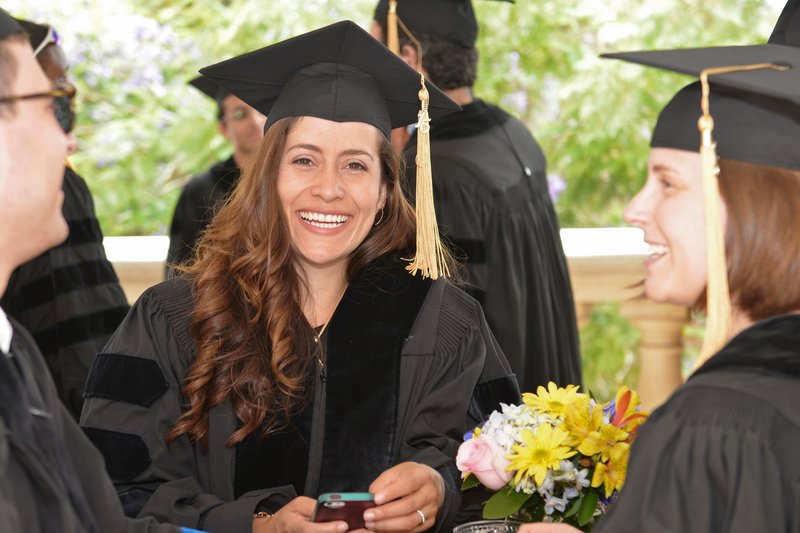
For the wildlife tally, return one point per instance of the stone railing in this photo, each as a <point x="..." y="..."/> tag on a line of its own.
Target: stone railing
<point x="605" y="264"/>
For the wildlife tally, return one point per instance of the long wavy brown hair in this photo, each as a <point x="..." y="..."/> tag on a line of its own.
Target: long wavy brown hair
<point x="253" y="343"/>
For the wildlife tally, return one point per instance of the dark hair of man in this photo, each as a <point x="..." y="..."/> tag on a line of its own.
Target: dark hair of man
<point x="254" y="346"/>
<point x="8" y="70"/>
<point x="449" y="65"/>
<point x="762" y="241"/>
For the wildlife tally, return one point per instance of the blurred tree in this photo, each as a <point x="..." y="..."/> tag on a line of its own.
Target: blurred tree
<point x="143" y="131"/>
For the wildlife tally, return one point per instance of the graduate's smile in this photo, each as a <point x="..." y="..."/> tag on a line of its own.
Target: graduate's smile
<point x="329" y="184"/>
<point x="324" y="221"/>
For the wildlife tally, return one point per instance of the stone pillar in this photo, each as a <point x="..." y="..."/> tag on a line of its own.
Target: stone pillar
<point x="660" y="348"/>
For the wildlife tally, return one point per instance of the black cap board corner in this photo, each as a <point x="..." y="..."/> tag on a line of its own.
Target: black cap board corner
<point x="8" y="25"/>
<point x="339" y="72"/>
<point x="209" y="88"/>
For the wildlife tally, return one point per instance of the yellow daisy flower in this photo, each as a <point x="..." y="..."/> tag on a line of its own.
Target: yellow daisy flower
<point x="611" y="475"/>
<point x="580" y="422"/>
<point x="539" y="452"/>
<point x="552" y="400"/>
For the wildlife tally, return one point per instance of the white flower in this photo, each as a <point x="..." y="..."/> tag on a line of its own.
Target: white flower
<point x="582" y="479"/>
<point x="554" y="504"/>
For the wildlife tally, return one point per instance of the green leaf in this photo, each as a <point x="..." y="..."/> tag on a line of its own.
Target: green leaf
<point x="576" y="504"/>
<point x="504" y="502"/>
<point x="469" y="482"/>
<point x="588" y="505"/>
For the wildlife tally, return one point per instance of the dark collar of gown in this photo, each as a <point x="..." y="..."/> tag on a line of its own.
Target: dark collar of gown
<point x="772" y="346"/>
<point x="364" y="340"/>
<point x="474" y="119"/>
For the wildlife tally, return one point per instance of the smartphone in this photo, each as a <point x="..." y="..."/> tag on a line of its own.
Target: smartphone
<point x="347" y="506"/>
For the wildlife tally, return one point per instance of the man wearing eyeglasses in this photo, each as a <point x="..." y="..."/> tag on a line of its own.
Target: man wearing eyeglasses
<point x="69" y="297"/>
<point x="243" y="127"/>
<point x="51" y="477"/>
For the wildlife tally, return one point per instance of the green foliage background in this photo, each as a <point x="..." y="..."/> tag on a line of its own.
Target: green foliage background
<point x="143" y="131"/>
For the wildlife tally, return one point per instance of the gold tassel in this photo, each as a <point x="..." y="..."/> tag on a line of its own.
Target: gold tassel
<point x="392" y="39"/>
<point x="718" y="295"/>
<point x="430" y="260"/>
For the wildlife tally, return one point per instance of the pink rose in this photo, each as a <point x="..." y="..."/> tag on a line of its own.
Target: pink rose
<point x="484" y="458"/>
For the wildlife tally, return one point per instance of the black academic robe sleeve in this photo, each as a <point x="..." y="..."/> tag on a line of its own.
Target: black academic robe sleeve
<point x="20" y="510"/>
<point x="129" y="422"/>
<point x="454" y="376"/>
<point x="707" y="462"/>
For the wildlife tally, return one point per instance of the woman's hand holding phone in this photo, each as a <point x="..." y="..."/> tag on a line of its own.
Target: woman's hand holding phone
<point x="408" y="498"/>
<point x="295" y="517"/>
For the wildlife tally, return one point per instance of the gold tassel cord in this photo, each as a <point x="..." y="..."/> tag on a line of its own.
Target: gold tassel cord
<point x="430" y="260"/>
<point x="718" y="297"/>
<point x="392" y="39"/>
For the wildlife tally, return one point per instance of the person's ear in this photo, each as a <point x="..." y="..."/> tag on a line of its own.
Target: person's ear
<point x="408" y="53"/>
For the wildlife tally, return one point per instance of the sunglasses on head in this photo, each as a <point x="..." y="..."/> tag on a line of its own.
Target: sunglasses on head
<point x="63" y="96"/>
<point x="52" y="37"/>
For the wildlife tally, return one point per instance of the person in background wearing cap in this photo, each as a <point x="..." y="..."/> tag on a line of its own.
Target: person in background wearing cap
<point x="242" y="126"/>
<point x="69" y="297"/>
<point x="721" y="455"/>
<point x="51" y="477"/>
<point x="492" y="199"/>
<point x="298" y="355"/>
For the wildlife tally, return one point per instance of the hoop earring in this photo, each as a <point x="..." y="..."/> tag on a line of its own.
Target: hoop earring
<point x="380" y="219"/>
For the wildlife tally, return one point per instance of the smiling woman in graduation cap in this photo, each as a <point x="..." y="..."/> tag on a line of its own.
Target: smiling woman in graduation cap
<point x="299" y="355"/>
<point x="720" y="212"/>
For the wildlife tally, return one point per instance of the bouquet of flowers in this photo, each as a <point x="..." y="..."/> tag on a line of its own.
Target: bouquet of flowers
<point x="558" y="457"/>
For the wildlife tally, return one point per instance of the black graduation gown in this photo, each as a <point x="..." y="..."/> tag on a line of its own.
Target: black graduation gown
<point x="69" y="298"/>
<point x="197" y="204"/>
<point x="410" y="366"/>
<point x="492" y="203"/>
<point x="51" y="477"/>
<point x="721" y="456"/>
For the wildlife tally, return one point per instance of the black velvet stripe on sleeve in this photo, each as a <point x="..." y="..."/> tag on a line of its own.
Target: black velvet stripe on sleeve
<point x="126" y="455"/>
<point x="125" y="378"/>
<point x="80" y="328"/>
<point x="80" y="276"/>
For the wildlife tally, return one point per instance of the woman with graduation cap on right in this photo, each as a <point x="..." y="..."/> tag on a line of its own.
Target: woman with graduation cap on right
<point x="721" y="455"/>
<point x="300" y="355"/>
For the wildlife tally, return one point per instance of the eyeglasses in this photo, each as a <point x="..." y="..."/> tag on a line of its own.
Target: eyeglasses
<point x="52" y="37"/>
<point x="240" y="113"/>
<point x="63" y="103"/>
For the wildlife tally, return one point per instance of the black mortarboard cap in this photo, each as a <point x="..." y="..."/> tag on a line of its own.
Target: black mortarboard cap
<point x="339" y="73"/>
<point x="787" y="30"/>
<point x="756" y="113"/>
<point x="210" y="89"/>
<point x="8" y="25"/>
<point x="452" y="20"/>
